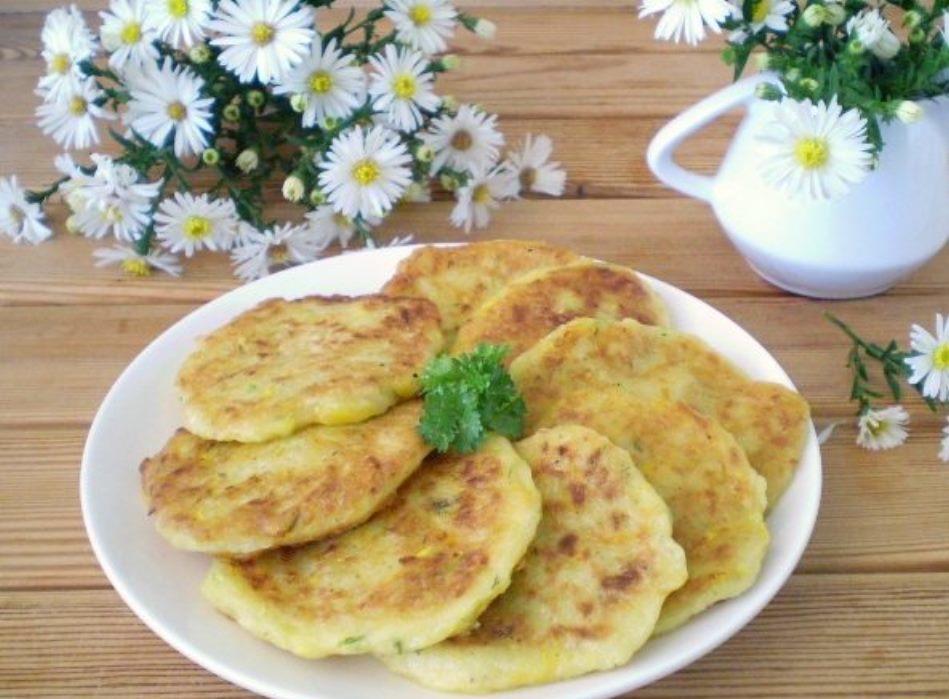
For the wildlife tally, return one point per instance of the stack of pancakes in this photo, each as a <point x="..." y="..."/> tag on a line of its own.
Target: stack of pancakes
<point x="635" y="501"/>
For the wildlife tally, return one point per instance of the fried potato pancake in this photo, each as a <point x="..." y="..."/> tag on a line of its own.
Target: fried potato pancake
<point x="417" y="572"/>
<point x="769" y="421"/>
<point x="459" y="279"/>
<point x="717" y="499"/>
<point x="531" y="306"/>
<point x="238" y="499"/>
<point x="317" y="360"/>
<point x="590" y="588"/>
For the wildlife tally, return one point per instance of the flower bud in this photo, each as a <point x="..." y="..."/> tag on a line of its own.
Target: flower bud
<point x="425" y="153"/>
<point x="486" y="29"/>
<point x="762" y="61"/>
<point x="199" y="53"/>
<point x="211" y="156"/>
<point x="256" y="99"/>
<point x="809" y="85"/>
<point x="450" y="103"/>
<point x="449" y="182"/>
<point x="856" y="47"/>
<point x="299" y="102"/>
<point x="247" y="161"/>
<point x="317" y="198"/>
<point x="331" y="123"/>
<point x="917" y="36"/>
<point x="814" y="15"/>
<point x="293" y="189"/>
<point x="451" y="62"/>
<point x="909" y="112"/>
<point x="72" y="225"/>
<point x="834" y="14"/>
<point x="793" y="75"/>
<point x="231" y="113"/>
<point x="767" y="91"/>
<point x="912" y="19"/>
<point x="76" y="201"/>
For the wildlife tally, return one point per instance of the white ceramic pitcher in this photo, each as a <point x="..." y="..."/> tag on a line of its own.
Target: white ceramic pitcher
<point x="860" y="244"/>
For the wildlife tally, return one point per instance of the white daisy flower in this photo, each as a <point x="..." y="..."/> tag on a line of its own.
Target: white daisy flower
<point x="365" y="172"/>
<point x="872" y="30"/>
<point x="687" y="19"/>
<point x="112" y="200"/>
<point x="261" y="252"/>
<point x="815" y="150"/>
<point x="930" y="364"/>
<point x="134" y="263"/>
<point x="332" y="83"/>
<point x="402" y="87"/>
<point x="883" y="429"/>
<point x="185" y="223"/>
<point x="330" y="225"/>
<point x="21" y="219"/>
<point x="944" y="445"/>
<point x="772" y="14"/>
<point x="70" y="120"/>
<point x="263" y="38"/>
<point x="423" y="24"/>
<point x="395" y="242"/>
<point x="482" y="194"/>
<point x="469" y="140"/>
<point x="167" y="101"/>
<point x="531" y="169"/>
<point x="67" y="42"/>
<point x="180" y="23"/>
<point x="126" y="36"/>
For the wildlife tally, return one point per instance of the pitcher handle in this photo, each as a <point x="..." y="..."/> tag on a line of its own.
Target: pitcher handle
<point x="667" y="140"/>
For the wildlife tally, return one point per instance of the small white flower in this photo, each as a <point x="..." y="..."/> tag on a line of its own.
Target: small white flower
<point x="247" y="161"/>
<point x="771" y="14"/>
<point x="262" y="251"/>
<point x="872" y="30"/>
<point x="134" y="263"/>
<point x="882" y="429"/>
<point x="329" y="80"/>
<point x="263" y="39"/>
<point x="293" y="189"/>
<point x="185" y="223"/>
<point x="70" y="120"/>
<point x="126" y="36"/>
<point x="819" y="151"/>
<point x="395" y="242"/>
<point x="365" y="172"/>
<point x="402" y="87"/>
<point x="20" y="219"/>
<point x="944" y="445"/>
<point x="330" y="225"/>
<point x="180" y="23"/>
<point x="531" y="169"/>
<point x="166" y="101"/>
<point x="479" y="197"/>
<point x="687" y="19"/>
<point x="909" y="112"/>
<point x="930" y="364"/>
<point x="111" y="200"/>
<point x="67" y="42"/>
<point x="423" y="24"/>
<point x="469" y="140"/>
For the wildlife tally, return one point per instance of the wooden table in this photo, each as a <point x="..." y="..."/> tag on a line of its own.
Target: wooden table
<point x="867" y="612"/>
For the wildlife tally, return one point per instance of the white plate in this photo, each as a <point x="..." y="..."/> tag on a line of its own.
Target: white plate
<point x="160" y="584"/>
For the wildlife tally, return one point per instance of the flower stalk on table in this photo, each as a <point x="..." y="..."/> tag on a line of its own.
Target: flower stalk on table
<point x="346" y="120"/>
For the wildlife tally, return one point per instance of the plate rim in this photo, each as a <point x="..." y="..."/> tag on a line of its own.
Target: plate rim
<point x="608" y="687"/>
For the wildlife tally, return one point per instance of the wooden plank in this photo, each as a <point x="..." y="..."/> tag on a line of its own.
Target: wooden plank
<point x="881" y="512"/>
<point x="826" y="635"/>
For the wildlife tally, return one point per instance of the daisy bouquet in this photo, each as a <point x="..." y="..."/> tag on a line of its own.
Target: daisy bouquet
<point x="207" y="101"/>
<point x="840" y="67"/>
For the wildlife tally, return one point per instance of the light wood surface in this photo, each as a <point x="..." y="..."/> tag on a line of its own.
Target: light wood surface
<point x="866" y="614"/>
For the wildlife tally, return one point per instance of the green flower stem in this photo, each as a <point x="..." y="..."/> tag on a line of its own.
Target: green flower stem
<point x="40" y="197"/>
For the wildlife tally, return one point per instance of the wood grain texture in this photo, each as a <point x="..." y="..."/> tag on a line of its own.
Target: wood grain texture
<point x="868" y="610"/>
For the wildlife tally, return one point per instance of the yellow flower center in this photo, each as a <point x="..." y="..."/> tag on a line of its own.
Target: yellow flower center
<point x="811" y="153"/>
<point x="279" y="254"/>
<point x="321" y="82"/>
<point x="760" y="11"/>
<point x="78" y="106"/>
<point x="131" y="33"/>
<point x="528" y="177"/>
<point x="178" y="8"/>
<point x="342" y="221"/>
<point x="262" y="33"/>
<point x="462" y="140"/>
<point x="876" y="427"/>
<point x="404" y="86"/>
<point x="177" y="111"/>
<point x="113" y="214"/>
<point x="197" y="227"/>
<point x="366" y="172"/>
<point x="481" y="194"/>
<point x="941" y="357"/>
<point x="60" y="63"/>
<point x="17" y="214"/>
<point x="420" y="15"/>
<point x="137" y="267"/>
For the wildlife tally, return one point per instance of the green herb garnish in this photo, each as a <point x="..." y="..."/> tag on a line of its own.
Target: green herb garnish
<point x="468" y="396"/>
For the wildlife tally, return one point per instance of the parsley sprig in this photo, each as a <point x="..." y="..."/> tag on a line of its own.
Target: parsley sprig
<point x="468" y="396"/>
